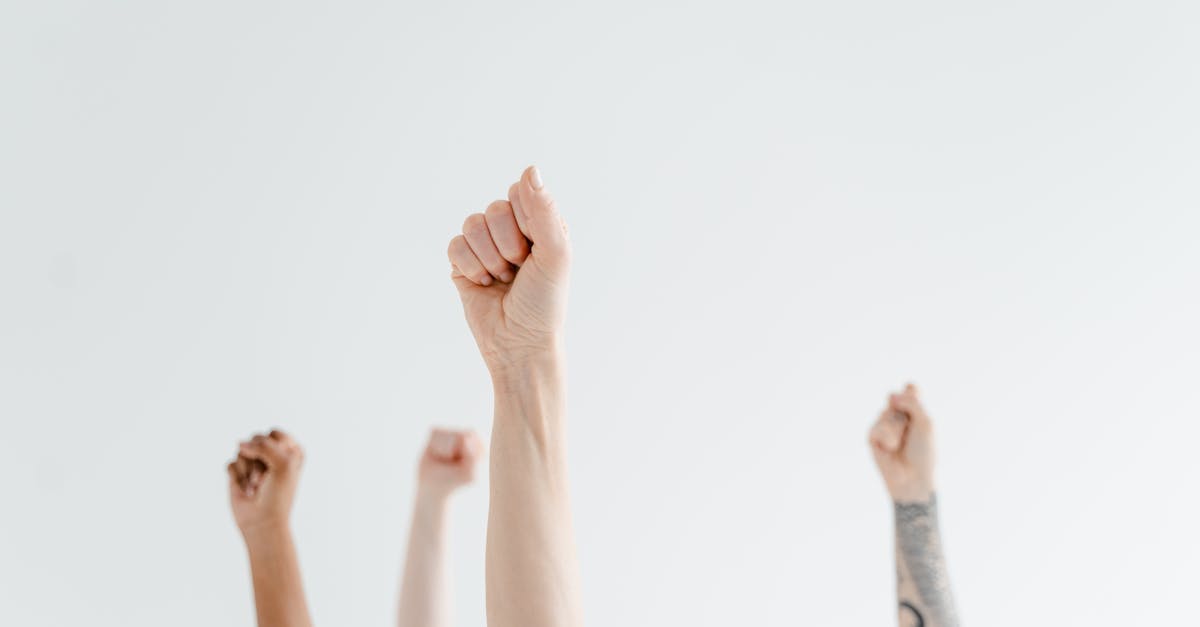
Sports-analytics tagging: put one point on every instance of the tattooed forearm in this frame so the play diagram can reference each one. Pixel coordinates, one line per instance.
(919, 554)
(916, 619)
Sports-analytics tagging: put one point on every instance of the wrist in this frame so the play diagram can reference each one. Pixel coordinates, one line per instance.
(917, 492)
(531, 368)
(266, 534)
(515, 364)
(431, 497)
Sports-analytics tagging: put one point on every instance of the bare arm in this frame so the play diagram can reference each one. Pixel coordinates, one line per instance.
(278, 589)
(447, 463)
(531, 561)
(424, 595)
(511, 268)
(262, 485)
(902, 442)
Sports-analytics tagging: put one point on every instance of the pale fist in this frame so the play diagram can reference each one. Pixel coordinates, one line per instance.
(449, 460)
(902, 442)
(511, 265)
(263, 480)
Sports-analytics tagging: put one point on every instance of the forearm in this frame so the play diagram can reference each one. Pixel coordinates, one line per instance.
(278, 589)
(424, 593)
(923, 585)
(532, 574)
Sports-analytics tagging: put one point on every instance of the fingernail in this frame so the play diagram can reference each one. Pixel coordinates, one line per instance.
(486, 281)
(535, 177)
(507, 276)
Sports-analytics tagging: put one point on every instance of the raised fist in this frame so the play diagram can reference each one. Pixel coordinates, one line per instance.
(902, 442)
(449, 460)
(262, 481)
(511, 265)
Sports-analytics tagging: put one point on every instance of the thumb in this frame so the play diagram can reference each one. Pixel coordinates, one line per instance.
(888, 431)
(545, 226)
(471, 446)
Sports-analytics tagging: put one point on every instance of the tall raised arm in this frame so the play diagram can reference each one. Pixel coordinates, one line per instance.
(511, 266)
(447, 464)
(262, 485)
(902, 442)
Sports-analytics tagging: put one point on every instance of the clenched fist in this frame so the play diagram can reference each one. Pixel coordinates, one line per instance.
(449, 460)
(902, 441)
(263, 480)
(510, 266)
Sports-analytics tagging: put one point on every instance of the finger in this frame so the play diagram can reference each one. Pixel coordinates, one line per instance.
(268, 451)
(887, 433)
(242, 465)
(467, 263)
(235, 482)
(546, 228)
(443, 444)
(471, 446)
(250, 470)
(910, 406)
(257, 470)
(502, 224)
(514, 200)
(285, 439)
(479, 238)
(239, 480)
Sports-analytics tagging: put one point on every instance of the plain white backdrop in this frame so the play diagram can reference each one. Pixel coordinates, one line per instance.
(217, 217)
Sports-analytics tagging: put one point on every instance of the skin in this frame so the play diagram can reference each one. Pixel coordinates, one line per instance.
(902, 443)
(447, 464)
(262, 486)
(511, 266)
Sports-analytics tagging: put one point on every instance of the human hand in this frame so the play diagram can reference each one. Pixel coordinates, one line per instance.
(449, 461)
(902, 442)
(511, 266)
(262, 482)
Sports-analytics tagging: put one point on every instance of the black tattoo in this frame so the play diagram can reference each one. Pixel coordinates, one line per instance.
(919, 547)
(915, 613)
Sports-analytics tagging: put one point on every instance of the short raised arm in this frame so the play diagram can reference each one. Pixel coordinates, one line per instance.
(902, 442)
(262, 485)
(447, 464)
(511, 266)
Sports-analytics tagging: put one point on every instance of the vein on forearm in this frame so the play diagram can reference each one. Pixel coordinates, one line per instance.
(919, 553)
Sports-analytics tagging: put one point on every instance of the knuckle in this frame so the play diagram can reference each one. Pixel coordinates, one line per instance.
(474, 224)
(497, 209)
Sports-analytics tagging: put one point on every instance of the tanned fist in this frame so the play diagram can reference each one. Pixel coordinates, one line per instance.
(263, 480)
(902, 442)
(449, 461)
(511, 265)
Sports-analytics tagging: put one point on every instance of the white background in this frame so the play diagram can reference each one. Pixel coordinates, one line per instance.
(223, 216)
